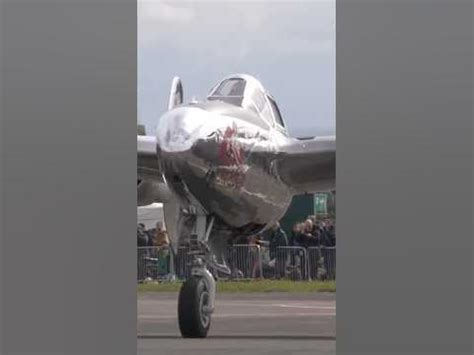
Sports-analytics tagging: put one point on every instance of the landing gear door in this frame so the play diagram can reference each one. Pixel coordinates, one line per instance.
(176, 93)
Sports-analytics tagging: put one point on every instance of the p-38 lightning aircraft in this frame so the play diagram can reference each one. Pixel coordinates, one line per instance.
(224, 168)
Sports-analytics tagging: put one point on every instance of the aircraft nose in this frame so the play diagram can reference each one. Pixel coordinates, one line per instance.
(179, 133)
(179, 129)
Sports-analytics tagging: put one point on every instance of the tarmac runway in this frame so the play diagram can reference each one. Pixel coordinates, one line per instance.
(263, 323)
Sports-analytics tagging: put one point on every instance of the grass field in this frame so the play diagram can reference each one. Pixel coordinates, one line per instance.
(249, 286)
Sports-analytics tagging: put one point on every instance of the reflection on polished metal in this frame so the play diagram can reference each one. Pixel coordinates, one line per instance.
(226, 168)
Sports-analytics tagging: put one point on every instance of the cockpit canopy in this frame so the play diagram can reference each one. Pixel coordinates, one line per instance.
(231, 91)
(247, 92)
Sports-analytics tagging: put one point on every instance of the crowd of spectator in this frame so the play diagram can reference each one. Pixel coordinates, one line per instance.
(152, 249)
(154, 237)
(314, 233)
(270, 255)
(309, 233)
(280, 261)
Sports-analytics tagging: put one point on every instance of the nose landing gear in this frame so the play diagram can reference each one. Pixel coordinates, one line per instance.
(193, 308)
(197, 294)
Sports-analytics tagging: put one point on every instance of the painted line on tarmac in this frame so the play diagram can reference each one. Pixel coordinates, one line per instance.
(246, 315)
(304, 306)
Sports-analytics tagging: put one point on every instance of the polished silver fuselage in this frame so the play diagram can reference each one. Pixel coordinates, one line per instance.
(222, 157)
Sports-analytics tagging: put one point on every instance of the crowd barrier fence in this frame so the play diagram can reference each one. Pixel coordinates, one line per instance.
(244, 261)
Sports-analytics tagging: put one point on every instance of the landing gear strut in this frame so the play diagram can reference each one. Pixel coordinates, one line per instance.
(197, 295)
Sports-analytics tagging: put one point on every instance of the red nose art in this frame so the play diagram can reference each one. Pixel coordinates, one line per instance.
(230, 151)
(231, 171)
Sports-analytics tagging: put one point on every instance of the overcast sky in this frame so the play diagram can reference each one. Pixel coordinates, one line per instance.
(288, 45)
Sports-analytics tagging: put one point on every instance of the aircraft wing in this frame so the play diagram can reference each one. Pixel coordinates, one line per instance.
(147, 163)
(308, 166)
(150, 184)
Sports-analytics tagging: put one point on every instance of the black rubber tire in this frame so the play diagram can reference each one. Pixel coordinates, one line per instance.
(190, 318)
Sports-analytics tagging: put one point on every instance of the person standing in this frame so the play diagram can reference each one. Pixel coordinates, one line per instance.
(142, 237)
(279, 239)
(162, 242)
(295, 237)
(142, 244)
(161, 239)
(310, 234)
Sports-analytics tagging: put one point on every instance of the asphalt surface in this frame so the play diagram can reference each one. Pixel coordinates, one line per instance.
(270, 323)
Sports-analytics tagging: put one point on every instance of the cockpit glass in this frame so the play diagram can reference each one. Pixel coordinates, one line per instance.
(276, 113)
(230, 87)
(258, 99)
(230, 91)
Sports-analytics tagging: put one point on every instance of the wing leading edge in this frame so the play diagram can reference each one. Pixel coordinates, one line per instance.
(150, 185)
(308, 166)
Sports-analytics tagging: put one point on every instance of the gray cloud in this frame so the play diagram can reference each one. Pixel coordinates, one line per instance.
(289, 45)
(252, 25)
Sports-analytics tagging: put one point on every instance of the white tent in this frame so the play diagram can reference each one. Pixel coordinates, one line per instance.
(149, 215)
